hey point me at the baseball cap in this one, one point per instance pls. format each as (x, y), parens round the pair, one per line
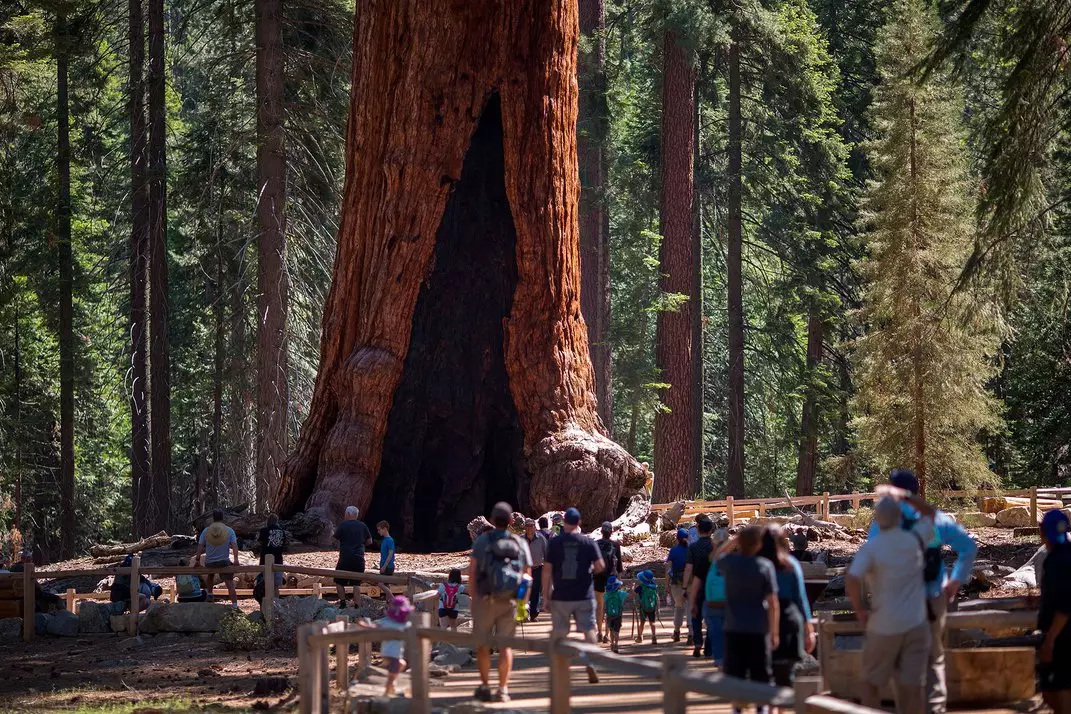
(905, 479)
(1054, 526)
(682, 533)
(572, 516)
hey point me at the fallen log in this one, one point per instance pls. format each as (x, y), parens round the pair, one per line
(155, 541)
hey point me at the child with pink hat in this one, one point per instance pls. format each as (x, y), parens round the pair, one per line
(392, 651)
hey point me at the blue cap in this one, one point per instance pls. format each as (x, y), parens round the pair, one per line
(1054, 526)
(682, 534)
(905, 479)
(572, 516)
(612, 583)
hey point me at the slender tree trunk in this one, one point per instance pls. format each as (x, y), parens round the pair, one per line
(159, 346)
(18, 419)
(808, 448)
(591, 147)
(273, 395)
(218, 375)
(459, 218)
(918, 389)
(698, 386)
(734, 480)
(140, 444)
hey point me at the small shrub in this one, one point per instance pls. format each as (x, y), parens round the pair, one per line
(238, 632)
(862, 517)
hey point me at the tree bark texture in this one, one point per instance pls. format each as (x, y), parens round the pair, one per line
(807, 465)
(734, 479)
(454, 362)
(68, 523)
(140, 444)
(674, 450)
(698, 380)
(273, 395)
(592, 133)
(159, 345)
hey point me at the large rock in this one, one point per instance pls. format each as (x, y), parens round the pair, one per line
(1016, 517)
(10, 628)
(977, 519)
(667, 539)
(184, 617)
(94, 617)
(63, 624)
(446, 654)
(294, 611)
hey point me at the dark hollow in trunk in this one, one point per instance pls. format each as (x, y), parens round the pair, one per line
(454, 442)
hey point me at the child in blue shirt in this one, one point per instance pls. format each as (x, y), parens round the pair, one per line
(386, 549)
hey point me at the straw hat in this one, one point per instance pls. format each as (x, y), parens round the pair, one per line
(217, 534)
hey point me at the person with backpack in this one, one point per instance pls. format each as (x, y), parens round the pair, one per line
(611, 556)
(713, 593)
(676, 562)
(500, 565)
(573, 560)
(695, 576)
(614, 601)
(647, 603)
(449, 592)
(941, 587)
(537, 546)
(1054, 611)
(796, 632)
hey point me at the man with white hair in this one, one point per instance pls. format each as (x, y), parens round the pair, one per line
(353, 537)
(897, 644)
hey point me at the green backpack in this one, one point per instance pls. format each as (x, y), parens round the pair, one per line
(615, 603)
(649, 598)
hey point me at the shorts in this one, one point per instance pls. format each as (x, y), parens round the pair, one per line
(614, 623)
(494, 617)
(354, 565)
(221, 564)
(1056, 675)
(647, 616)
(394, 665)
(599, 582)
(904, 655)
(450, 612)
(562, 611)
(747, 656)
(784, 673)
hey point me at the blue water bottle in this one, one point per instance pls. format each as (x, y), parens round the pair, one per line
(522, 589)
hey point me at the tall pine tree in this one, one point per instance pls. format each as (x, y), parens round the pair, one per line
(925, 357)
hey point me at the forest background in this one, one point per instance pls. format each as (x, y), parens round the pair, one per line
(768, 307)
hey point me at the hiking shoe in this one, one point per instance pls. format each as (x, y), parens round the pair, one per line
(593, 676)
(654, 640)
(639, 639)
(482, 693)
(688, 642)
(502, 695)
(697, 652)
(676, 635)
(614, 647)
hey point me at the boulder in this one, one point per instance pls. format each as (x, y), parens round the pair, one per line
(446, 654)
(40, 623)
(63, 624)
(117, 623)
(667, 539)
(94, 617)
(184, 617)
(477, 526)
(1016, 517)
(978, 519)
(292, 612)
(328, 614)
(10, 628)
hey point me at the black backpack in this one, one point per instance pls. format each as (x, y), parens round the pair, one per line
(609, 555)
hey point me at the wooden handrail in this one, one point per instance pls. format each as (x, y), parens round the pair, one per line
(980, 619)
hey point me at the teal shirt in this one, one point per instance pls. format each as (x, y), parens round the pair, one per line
(386, 553)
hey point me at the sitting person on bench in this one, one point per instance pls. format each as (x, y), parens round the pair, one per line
(188, 586)
(120, 591)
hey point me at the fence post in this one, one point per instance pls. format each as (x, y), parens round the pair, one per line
(855, 500)
(267, 605)
(342, 660)
(135, 596)
(306, 680)
(1034, 505)
(559, 679)
(762, 509)
(71, 594)
(317, 589)
(674, 695)
(825, 505)
(729, 511)
(364, 659)
(29, 602)
(417, 653)
(172, 593)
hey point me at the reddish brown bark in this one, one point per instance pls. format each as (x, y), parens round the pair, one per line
(591, 137)
(426, 74)
(273, 395)
(674, 450)
(68, 523)
(734, 478)
(808, 449)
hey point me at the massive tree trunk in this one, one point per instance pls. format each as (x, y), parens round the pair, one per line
(68, 523)
(140, 444)
(674, 451)
(272, 392)
(734, 478)
(454, 363)
(159, 346)
(808, 447)
(591, 139)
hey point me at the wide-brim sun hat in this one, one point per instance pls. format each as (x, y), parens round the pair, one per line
(612, 583)
(399, 608)
(216, 534)
(1055, 526)
(646, 577)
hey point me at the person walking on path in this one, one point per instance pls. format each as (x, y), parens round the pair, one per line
(646, 604)
(573, 560)
(695, 575)
(611, 556)
(217, 543)
(352, 536)
(537, 546)
(272, 539)
(615, 611)
(796, 632)
(752, 612)
(386, 549)
(544, 528)
(941, 588)
(1054, 610)
(449, 592)
(498, 566)
(676, 562)
(898, 634)
(713, 592)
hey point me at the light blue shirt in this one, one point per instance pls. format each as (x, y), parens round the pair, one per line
(946, 532)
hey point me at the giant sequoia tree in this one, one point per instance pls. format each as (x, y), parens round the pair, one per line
(454, 365)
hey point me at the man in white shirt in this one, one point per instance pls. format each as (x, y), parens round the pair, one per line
(896, 622)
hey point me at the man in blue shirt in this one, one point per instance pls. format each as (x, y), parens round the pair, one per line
(941, 586)
(386, 549)
(675, 564)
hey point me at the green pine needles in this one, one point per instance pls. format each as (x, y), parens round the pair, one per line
(926, 354)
